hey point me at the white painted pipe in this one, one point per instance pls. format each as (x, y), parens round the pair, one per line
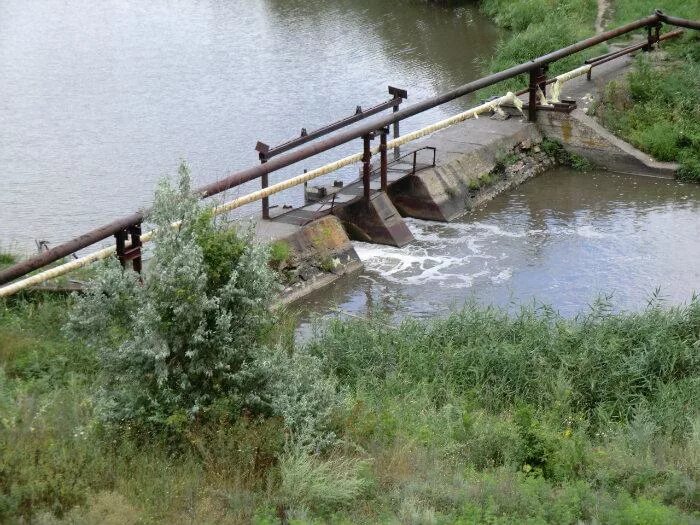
(68, 267)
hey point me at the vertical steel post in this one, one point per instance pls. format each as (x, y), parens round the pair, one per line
(264, 183)
(133, 253)
(384, 164)
(653, 36)
(136, 244)
(532, 98)
(397, 149)
(399, 95)
(538, 80)
(120, 238)
(366, 166)
(262, 150)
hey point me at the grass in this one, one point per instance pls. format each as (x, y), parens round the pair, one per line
(556, 150)
(657, 107)
(478, 417)
(280, 251)
(537, 27)
(7, 259)
(624, 11)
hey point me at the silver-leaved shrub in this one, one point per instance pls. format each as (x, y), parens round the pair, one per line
(188, 342)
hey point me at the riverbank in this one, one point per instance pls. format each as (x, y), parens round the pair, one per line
(475, 417)
(181, 399)
(656, 108)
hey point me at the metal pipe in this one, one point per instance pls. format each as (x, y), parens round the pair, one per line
(347, 135)
(680, 22)
(630, 49)
(383, 163)
(366, 166)
(325, 130)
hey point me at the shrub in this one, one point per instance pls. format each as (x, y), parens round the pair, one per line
(306, 399)
(309, 482)
(185, 344)
(279, 252)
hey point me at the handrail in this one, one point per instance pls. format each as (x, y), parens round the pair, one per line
(342, 137)
(266, 152)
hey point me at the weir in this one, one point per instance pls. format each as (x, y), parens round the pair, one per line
(465, 153)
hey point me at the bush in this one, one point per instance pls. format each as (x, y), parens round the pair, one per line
(186, 345)
(319, 485)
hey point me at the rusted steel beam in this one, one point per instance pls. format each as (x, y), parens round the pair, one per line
(398, 96)
(679, 22)
(366, 165)
(343, 137)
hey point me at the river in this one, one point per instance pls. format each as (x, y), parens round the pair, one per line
(99, 100)
(564, 239)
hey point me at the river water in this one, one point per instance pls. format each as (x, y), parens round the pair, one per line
(563, 239)
(99, 100)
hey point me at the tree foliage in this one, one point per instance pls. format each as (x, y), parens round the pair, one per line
(188, 343)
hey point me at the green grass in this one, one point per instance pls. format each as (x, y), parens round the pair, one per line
(280, 251)
(657, 107)
(657, 110)
(478, 417)
(556, 150)
(7, 259)
(538, 27)
(624, 11)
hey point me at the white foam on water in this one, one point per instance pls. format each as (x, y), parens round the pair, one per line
(454, 254)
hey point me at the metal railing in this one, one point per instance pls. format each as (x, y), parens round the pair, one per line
(265, 152)
(126, 228)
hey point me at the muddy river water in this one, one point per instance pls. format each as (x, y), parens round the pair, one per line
(99, 100)
(563, 239)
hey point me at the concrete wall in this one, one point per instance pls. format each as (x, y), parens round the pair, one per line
(582, 135)
(443, 193)
(319, 254)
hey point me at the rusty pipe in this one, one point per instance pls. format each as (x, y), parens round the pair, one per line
(679, 22)
(284, 160)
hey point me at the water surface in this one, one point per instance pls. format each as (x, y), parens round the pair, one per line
(563, 239)
(99, 100)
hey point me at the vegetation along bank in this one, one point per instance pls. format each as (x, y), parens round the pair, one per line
(184, 399)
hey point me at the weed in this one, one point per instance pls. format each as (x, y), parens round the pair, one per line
(327, 263)
(279, 253)
(318, 484)
(486, 180)
(656, 109)
(6, 259)
(555, 150)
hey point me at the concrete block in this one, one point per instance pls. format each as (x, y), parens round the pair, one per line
(379, 222)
